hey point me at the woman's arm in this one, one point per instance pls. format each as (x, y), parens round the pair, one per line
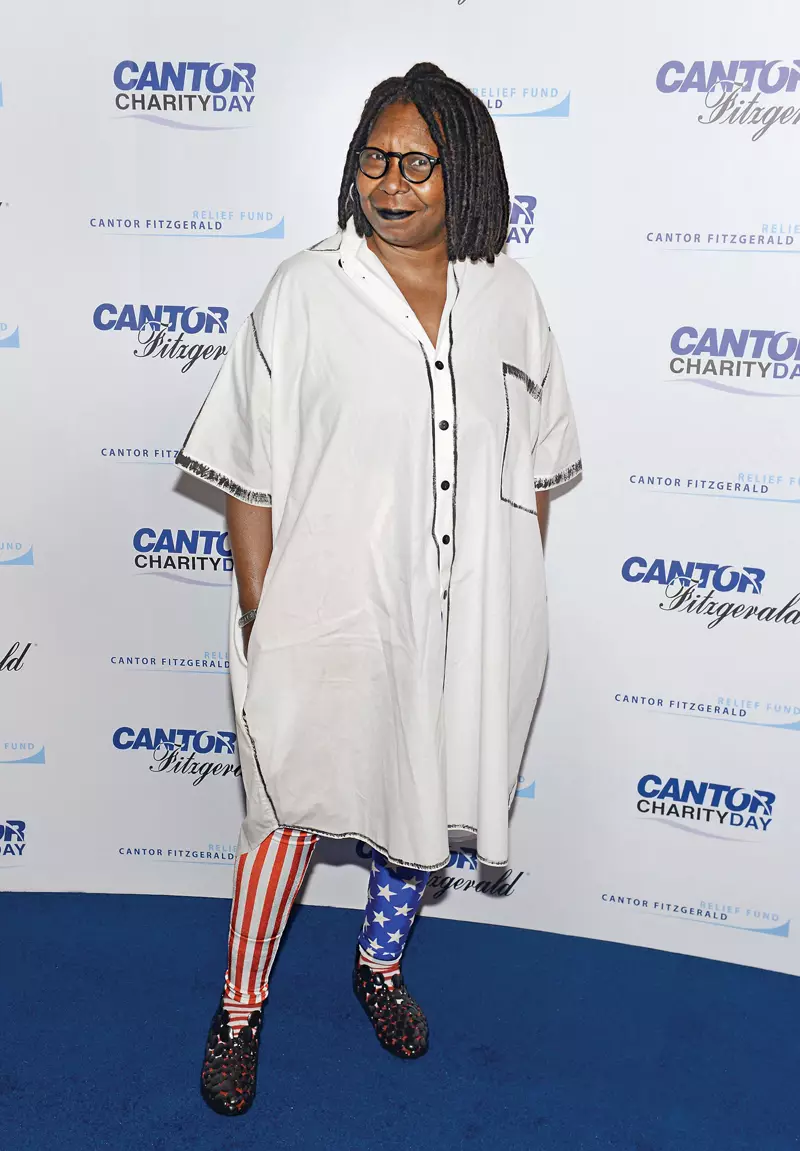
(543, 511)
(250, 533)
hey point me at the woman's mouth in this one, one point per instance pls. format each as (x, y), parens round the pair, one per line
(393, 214)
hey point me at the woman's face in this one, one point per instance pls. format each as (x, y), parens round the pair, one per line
(401, 213)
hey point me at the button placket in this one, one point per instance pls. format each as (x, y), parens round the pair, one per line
(444, 446)
(444, 414)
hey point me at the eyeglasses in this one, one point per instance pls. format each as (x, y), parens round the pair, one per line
(416, 167)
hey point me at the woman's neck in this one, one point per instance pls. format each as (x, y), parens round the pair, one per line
(411, 264)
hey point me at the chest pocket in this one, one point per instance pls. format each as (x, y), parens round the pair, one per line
(523, 399)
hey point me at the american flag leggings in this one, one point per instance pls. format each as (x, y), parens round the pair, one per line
(266, 885)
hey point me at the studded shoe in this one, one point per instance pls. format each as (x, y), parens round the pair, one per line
(228, 1078)
(398, 1020)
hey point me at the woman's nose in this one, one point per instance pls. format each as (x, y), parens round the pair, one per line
(393, 180)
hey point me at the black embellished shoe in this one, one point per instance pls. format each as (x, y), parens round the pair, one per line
(228, 1078)
(398, 1020)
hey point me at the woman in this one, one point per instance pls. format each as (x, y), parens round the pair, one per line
(387, 425)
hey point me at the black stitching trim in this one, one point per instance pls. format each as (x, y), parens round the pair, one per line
(258, 345)
(372, 844)
(225, 483)
(533, 388)
(542, 483)
(522, 508)
(396, 862)
(433, 451)
(246, 727)
(509, 369)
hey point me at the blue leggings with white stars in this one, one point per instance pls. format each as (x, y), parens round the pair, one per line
(395, 894)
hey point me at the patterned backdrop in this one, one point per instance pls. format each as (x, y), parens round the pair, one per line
(159, 161)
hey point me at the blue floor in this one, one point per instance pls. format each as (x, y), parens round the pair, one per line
(538, 1041)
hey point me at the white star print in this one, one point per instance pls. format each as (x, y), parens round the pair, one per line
(374, 869)
(393, 936)
(373, 943)
(380, 918)
(365, 924)
(404, 910)
(386, 892)
(412, 883)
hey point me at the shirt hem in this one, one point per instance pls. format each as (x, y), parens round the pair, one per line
(543, 483)
(220, 480)
(359, 835)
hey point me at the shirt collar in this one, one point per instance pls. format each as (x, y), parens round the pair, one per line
(355, 254)
(363, 266)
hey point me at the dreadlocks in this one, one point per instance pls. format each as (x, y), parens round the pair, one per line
(475, 186)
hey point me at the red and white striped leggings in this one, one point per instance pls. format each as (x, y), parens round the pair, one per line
(267, 882)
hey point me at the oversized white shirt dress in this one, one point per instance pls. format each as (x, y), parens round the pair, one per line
(401, 637)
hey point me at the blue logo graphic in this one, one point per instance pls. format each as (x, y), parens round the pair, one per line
(726, 709)
(529, 102)
(14, 553)
(520, 221)
(776, 238)
(172, 553)
(744, 361)
(167, 744)
(140, 455)
(154, 322)
(201, 223)
(716, 806)
(8, 338)
(725, 86)
(195, 88)
(722, 577)
(525, 790)
(182, 738)
(763, 487)
(684, 581)
(752, 919)
(187, 318)
(769, 76)
(209, 663)
(12, 841)
(20, 751)
(215, 854)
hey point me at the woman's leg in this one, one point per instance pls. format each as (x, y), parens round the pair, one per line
(394, 897)
(267, 883)
(399, 1022)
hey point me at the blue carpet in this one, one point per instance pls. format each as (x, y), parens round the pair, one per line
(538, 1041)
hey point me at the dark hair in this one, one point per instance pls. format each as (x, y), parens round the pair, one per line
(475, 185)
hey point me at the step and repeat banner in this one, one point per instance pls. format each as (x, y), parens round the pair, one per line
(157, 165)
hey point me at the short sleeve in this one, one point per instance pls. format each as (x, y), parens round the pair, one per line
(556, 454)
(229, 442)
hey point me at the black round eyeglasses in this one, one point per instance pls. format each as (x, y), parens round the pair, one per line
(416, 167)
